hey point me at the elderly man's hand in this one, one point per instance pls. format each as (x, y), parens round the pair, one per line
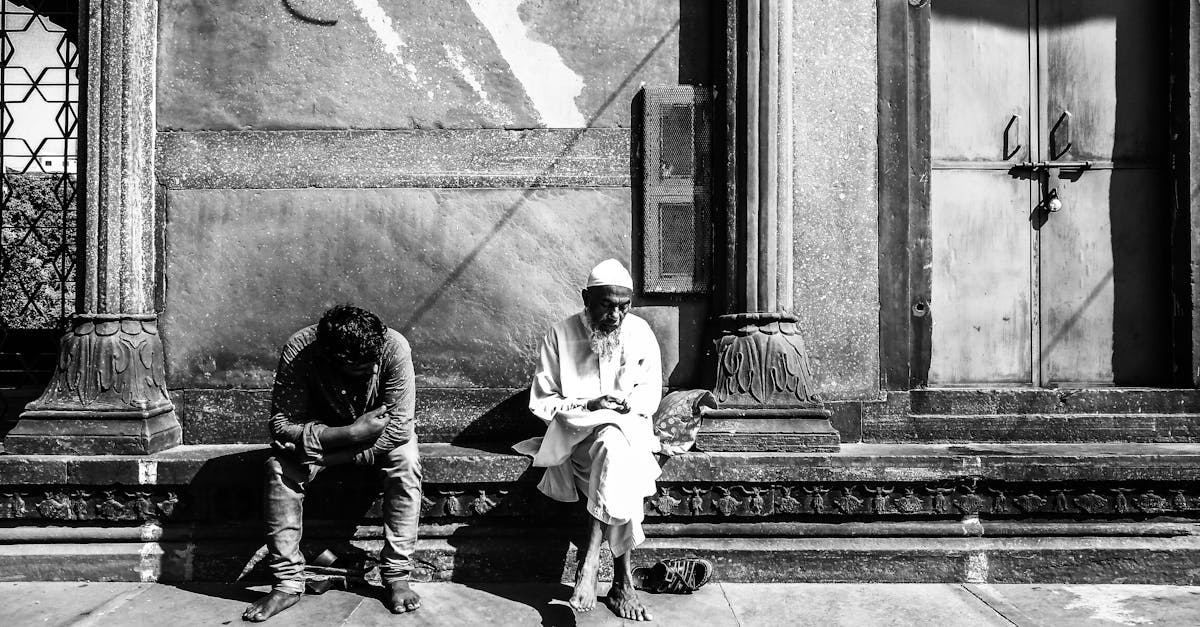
(608, 402)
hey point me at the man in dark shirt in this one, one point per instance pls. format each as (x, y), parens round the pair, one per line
(343, 394)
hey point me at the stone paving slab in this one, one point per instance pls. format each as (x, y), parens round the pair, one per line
(60, 603)
(1113, 604)
(79, 604)
(196, 605)
(859, 605)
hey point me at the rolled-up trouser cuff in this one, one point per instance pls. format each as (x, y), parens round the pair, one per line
(291, 586)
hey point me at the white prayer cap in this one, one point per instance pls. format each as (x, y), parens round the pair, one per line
(610, 272)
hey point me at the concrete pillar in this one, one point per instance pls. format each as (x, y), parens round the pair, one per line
(109, 392)
(764, 383)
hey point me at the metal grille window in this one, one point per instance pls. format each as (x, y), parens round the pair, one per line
(676, 175)
(39, 116)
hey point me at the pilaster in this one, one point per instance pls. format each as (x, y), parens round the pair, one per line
(109, 393)
(764, 381)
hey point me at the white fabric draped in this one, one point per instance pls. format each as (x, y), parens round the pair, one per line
(606, 455)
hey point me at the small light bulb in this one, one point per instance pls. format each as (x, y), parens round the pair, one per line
(1054, 205)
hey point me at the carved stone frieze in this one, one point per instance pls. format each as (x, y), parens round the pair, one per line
(879, 502)
(910, 503)
(1091, 502)
(713, 502)
(1152, 503)
(726, 504)
(662, 504)
(970, 503)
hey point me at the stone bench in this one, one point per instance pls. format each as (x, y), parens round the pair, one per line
(884, 512)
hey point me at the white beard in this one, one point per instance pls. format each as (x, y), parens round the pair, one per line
(603, 343)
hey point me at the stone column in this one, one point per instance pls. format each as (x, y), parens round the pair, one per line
(764, 383)
(109, 392)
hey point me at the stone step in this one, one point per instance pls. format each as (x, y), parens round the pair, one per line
(215, 484)
(1047, 559)
(1033, 427)
(981, 401)
(499, 415)
(870, 512)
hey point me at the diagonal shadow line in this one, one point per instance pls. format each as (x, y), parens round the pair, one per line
(533, 186)
(1070, 323)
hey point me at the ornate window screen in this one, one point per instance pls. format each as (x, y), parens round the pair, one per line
(39, 106)
(676, 175)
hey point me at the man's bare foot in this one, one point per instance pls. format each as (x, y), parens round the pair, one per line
(584, 597)
(402, 598)
(624, 602)
(269, 605)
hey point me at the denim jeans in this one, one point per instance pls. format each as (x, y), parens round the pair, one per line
(286, 480)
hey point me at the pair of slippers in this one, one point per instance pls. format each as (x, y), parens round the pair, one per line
(680, 575)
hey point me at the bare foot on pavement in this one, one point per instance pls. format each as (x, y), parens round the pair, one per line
(624, 602)
(269, 605)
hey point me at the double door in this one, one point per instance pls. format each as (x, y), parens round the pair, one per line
(1050, 193)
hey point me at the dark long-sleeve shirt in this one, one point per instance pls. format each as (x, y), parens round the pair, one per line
(310, 395)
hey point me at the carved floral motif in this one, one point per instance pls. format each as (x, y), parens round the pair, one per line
(787, 503)
(108, 365)
(727, 504)
(761, 359)
(970, 503)
(1152, 503)
(910, 503)
(1091, 502)
(847, 503)
(662, 504)
(1030, 502)
(55, 506)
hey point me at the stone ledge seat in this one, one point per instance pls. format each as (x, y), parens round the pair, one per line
(862, 462)
(1082, 513)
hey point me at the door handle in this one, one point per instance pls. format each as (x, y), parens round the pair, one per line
(1012, 137)
(1049, 165)
(1060, 135)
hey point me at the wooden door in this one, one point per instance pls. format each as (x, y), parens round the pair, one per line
(1021, 295)
(1105, 269)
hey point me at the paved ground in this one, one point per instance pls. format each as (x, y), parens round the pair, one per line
(860, 605)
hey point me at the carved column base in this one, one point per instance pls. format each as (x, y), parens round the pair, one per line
(765, 390)
(768, 430)
(108, 395)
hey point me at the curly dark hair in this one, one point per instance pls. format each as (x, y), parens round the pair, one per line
(350, 334)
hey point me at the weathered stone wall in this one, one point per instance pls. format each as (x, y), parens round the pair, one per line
(456, 167)
(392, 64)
(836, 255)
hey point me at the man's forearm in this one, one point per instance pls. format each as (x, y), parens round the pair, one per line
(342, 437)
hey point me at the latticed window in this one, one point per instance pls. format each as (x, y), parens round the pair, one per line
(40, 97)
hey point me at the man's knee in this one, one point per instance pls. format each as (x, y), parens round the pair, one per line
(403, 463)
(611, 440)
(283, 467)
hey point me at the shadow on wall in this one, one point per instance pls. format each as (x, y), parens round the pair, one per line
(502, 426)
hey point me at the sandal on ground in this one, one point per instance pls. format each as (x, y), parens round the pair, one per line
(681, 575)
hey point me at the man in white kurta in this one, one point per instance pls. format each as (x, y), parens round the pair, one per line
(598, 384)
